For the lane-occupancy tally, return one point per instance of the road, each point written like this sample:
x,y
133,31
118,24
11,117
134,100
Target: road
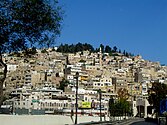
x,y
136,121
143,123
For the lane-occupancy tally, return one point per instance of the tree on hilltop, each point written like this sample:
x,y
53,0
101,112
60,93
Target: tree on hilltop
x,y
115,49
79,47
25,24
108,49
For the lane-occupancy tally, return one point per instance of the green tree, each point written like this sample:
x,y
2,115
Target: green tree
x,y
64,83
115,49
124,52
66,48
111,106
122,107
29,52
71,48
110,54
119,51
27,23
157,93
82,61
60,48
127,54
75,48
108,49
43,51
89,47
78,47
123,94
119,107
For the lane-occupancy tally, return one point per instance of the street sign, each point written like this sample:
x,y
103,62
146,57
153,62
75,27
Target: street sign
x,y
163,106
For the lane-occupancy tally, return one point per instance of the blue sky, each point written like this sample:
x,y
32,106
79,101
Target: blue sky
x,y
137,26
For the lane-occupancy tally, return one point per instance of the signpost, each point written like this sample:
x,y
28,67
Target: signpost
x,y
86,105
100,104
76,104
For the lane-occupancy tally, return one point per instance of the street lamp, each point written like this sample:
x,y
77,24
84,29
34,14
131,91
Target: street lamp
x,y
100,103
131,102
76,95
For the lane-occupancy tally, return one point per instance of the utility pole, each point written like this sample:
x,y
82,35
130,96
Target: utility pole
x,y
131,102
100,103
76,95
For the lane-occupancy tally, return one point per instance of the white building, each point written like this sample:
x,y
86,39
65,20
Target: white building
x,y
11,67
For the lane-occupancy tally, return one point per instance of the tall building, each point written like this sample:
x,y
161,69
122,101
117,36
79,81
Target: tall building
x,y
100,61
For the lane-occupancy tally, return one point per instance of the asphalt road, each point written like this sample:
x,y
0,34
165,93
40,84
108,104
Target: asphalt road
x,y
136,121
143,123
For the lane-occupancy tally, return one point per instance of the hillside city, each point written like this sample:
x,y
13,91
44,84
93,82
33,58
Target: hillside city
x,y
45,83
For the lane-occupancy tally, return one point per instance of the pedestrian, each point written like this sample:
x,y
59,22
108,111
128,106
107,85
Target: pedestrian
x,y
72,114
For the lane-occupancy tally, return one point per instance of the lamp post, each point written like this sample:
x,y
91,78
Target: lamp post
x,y
76,95
100,103
131,102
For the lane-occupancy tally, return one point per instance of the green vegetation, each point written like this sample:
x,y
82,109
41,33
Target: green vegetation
x,y
120,107
26,24
44,51
64,83
80,47
75,48
108,49
82,61
157,93
32,51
